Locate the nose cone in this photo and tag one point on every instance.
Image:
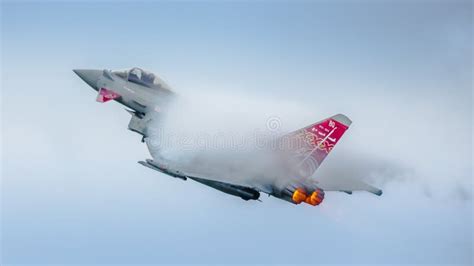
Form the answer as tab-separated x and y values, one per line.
90	76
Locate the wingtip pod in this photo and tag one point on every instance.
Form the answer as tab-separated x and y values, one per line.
374	190
342	119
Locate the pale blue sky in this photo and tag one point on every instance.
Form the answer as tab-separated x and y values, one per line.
401	71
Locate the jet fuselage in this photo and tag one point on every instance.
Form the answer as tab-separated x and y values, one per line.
289	179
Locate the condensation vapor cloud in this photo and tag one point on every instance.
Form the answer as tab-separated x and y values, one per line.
218	135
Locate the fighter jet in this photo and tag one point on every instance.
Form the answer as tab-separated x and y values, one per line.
287	176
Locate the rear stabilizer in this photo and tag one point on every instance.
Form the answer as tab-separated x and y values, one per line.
313	143
344	120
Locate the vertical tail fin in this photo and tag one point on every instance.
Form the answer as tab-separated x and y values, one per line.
313	143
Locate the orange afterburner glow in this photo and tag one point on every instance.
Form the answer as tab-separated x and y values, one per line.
299	195
314	199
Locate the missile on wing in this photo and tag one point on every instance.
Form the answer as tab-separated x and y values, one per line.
243	192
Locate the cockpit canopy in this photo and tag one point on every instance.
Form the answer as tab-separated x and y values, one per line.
142	77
